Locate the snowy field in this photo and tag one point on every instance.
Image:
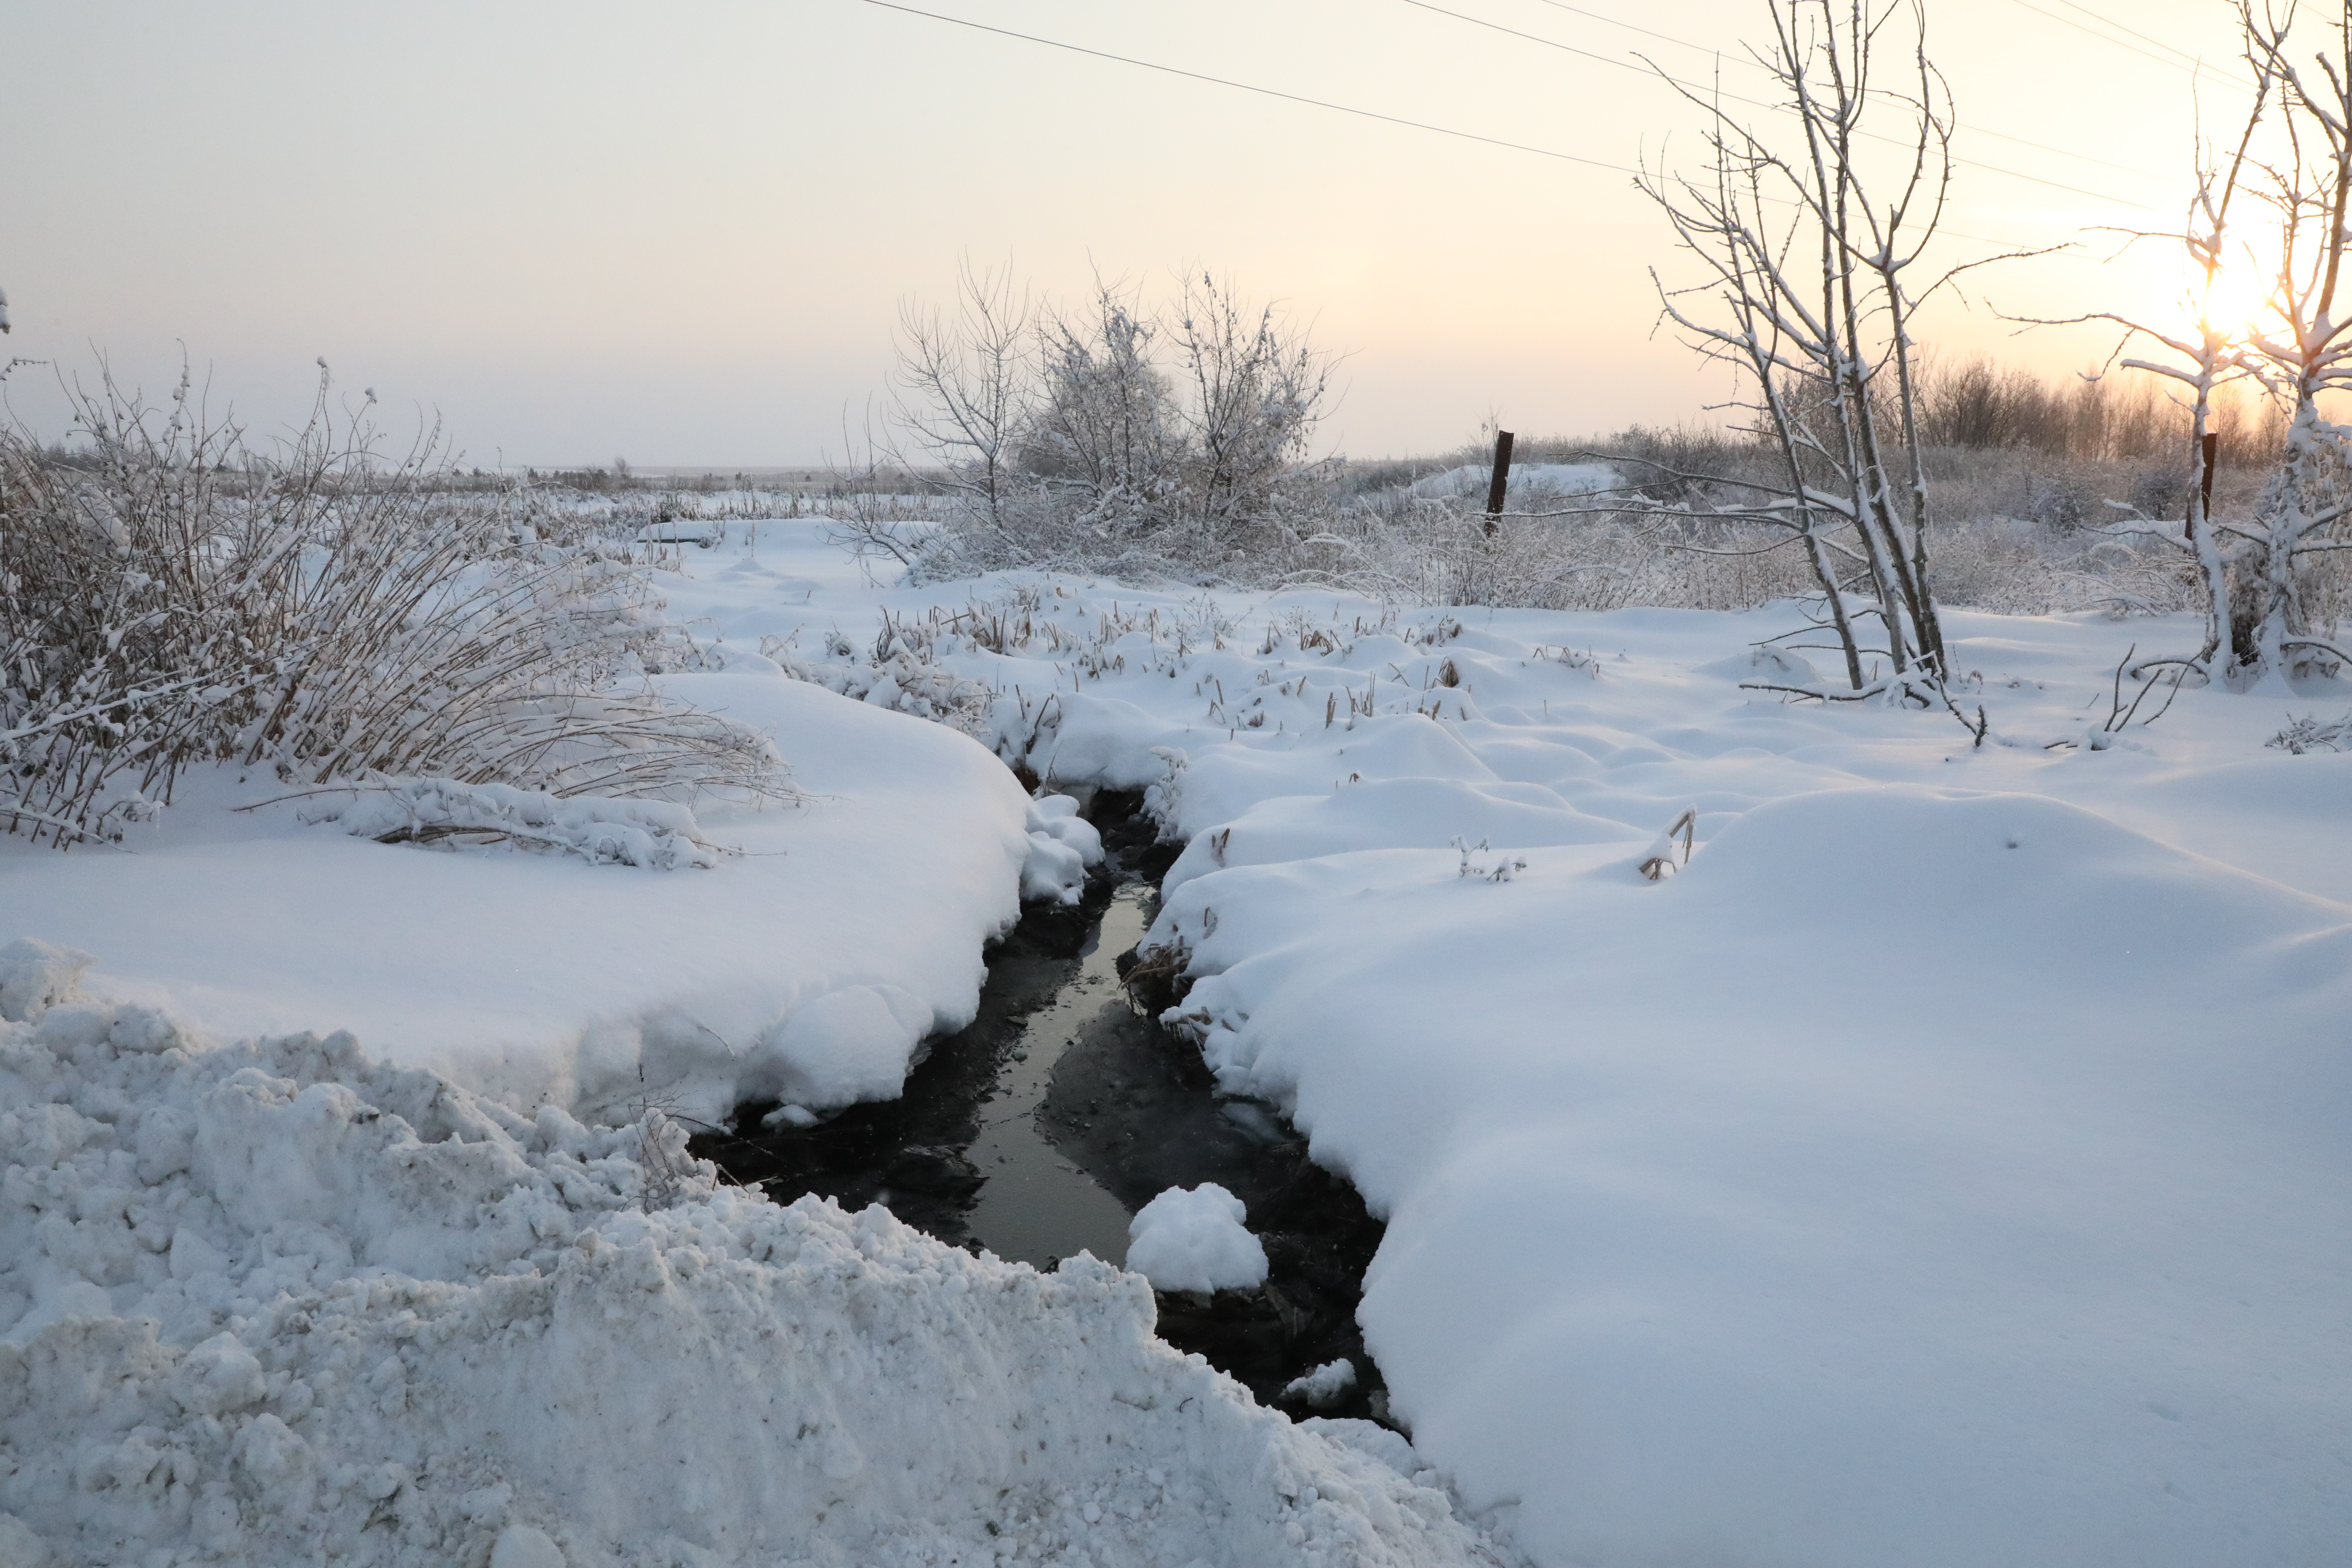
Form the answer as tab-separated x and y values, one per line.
1947	1164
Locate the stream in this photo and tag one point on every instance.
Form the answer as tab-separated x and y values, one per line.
1036	1133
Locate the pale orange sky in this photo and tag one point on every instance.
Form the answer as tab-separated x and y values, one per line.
681	233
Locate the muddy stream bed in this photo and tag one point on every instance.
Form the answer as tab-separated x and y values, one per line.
1039	1131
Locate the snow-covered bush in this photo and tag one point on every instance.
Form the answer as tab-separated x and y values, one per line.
170	596
2312	734
1122	439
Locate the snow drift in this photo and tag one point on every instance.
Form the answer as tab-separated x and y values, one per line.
279	1303
545	977
1781	1213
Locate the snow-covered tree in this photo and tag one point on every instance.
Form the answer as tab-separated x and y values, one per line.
1807	240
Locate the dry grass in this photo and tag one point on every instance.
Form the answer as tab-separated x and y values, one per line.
173	596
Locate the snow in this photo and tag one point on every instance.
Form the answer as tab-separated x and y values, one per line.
276	1302
546	978
1867	1190
1946	1165
1324	1385
1528	480
1944	1226
1062	845
1195	1240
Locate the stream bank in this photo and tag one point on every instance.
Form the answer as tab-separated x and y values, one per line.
1038	1130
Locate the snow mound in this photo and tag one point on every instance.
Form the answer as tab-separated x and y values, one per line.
1911	1217
279	1303
1389	813
543	977
1195	1240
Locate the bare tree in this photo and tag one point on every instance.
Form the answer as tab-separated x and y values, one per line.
2205	356
2307	351
1256	391
964	385
1808	258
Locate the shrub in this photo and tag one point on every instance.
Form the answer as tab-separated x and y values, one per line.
173	596
1120	440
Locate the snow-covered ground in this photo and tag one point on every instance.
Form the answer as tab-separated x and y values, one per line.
1946	1165
549	978
277	1303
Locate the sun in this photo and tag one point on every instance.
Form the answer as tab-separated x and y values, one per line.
2237	302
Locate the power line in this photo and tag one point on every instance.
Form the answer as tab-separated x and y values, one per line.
2195	68
1268	92
2190	59
1323	103
1755	103
1717	53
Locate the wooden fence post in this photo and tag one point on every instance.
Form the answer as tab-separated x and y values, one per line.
1502	480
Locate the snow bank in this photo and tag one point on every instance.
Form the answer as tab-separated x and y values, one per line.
279	1303
1868	1192
596	987
1990	1207
1194	1239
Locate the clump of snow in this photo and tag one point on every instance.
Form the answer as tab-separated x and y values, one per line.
526	1546
1062	844
1195	1240
600	830
35	974
279	1303
1324	1385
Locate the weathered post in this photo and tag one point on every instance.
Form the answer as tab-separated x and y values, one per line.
1501	483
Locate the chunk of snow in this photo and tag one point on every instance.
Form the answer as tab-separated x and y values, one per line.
1324	1385
35	974
1194	1239
526	1546
219	1375
1054	870
1057	817
19	1547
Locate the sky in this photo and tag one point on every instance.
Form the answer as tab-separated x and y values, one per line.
683	234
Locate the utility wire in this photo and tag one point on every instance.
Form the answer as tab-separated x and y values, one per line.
1268	92
1655	75
1322	103
1718	54
2188	58
2196	70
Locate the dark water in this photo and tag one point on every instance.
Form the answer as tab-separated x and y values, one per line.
1034	1203
1037	1131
